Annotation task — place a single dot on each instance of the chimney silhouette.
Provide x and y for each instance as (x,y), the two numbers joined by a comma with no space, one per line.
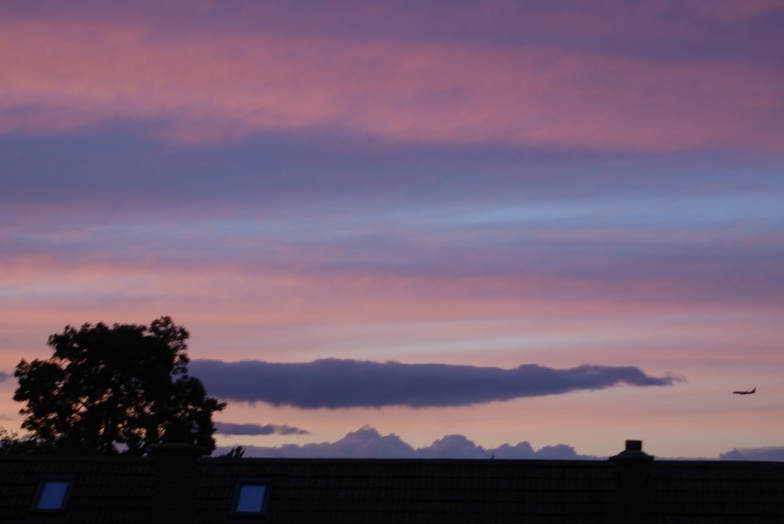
(632,477)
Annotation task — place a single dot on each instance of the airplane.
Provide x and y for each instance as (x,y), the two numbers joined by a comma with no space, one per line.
(747,392)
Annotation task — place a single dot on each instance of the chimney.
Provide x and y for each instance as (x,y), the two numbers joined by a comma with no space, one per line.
(632,451)
(632,476)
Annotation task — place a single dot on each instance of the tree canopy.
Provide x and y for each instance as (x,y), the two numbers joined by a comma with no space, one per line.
(117,389)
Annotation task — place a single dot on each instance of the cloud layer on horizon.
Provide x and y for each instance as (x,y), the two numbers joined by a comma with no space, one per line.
(772,453)
(367,442)
(344,383)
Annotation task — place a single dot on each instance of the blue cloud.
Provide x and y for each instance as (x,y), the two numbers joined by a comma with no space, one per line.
(334,383)
(774,453)
(367,442)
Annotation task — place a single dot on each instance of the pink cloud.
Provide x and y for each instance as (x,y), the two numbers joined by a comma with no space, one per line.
(270,292)
(203,88)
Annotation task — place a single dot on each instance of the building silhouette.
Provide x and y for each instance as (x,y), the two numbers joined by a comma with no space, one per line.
(175,484)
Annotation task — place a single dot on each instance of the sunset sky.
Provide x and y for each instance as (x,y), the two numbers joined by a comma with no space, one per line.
(443,226)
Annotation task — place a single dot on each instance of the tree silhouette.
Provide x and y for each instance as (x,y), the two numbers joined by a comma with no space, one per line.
(115,389)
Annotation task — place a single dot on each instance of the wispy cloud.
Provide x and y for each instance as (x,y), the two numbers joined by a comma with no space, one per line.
(775,453)
(195,86)
(367,442)
(335,383)
(229,428)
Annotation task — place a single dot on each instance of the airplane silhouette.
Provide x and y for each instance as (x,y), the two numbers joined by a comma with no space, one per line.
(747,392)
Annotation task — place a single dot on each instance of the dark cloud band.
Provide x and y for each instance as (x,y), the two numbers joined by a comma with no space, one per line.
(228,428)
(333,383)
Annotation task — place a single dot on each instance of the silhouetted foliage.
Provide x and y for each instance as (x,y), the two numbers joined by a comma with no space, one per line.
(115,389)
(235,452)
(12,444)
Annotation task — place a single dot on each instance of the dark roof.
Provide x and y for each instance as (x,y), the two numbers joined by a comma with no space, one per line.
(185,488)
(717,491)
(414,491)
(106,489)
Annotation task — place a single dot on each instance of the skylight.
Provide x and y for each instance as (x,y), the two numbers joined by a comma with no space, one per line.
(251,497)
(53,494)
